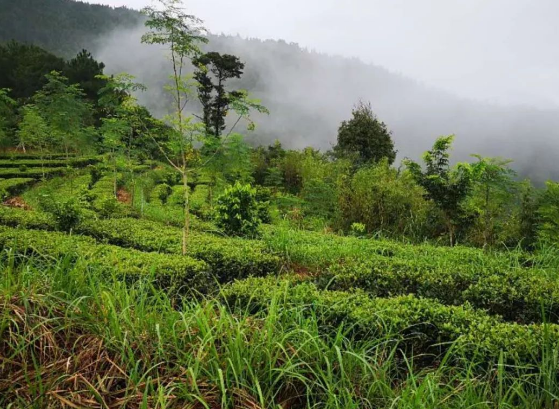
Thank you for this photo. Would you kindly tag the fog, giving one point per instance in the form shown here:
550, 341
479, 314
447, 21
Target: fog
484, 70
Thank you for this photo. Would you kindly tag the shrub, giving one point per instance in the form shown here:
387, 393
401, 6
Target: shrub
227, 257
238, 211
11, 187
96, 174
169, 271
424, 326
67, 214
162, 192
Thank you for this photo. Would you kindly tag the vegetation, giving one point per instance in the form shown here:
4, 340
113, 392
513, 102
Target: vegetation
166, 263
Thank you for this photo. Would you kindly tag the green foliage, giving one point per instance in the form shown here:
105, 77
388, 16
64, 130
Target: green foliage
162, 192
14, 186
168, 271
238, 211
548, 212
36, 173
492, 201
365, 137
446, 187
384, 200
64, 109
213, 70
424, 326
33, 130
67, 214
516, 294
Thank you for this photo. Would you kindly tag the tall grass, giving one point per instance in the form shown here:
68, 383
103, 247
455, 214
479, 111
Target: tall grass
72, 338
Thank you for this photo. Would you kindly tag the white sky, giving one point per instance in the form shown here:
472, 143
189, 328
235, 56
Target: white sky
504, 51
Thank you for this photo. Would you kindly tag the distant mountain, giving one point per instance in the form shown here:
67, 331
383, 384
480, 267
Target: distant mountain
308, 93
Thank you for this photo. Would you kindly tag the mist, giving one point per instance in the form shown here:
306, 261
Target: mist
310, 93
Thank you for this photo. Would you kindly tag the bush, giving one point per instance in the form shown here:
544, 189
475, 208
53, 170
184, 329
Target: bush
168, 271
67, 214
228, 257
238, 211
425, 327
36, 173
11, 187
162, 192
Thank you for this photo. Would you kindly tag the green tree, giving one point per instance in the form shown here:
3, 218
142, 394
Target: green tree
7, 118
65, 110
384, 200
114, 132
238, 211
182, 33
170, 26
33, 132
447, 187
87, 73
548, 212
212, 72
364, 137
492, 196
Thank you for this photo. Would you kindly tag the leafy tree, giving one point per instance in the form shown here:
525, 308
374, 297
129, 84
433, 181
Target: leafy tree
238, 211
124, 121
384, 200
548, 212
447, 187
212, 72
170, 26
365, 137
23, 68
65, 110
114, 131
493, 195
7, 118
34, 132
87, 73
182, 33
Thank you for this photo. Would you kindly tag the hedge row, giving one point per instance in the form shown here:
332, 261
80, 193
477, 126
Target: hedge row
422, 326
23, 156
28, 219
12, 187
227, 257
516, 294
320, 250
168, 270
48, 163
35, 173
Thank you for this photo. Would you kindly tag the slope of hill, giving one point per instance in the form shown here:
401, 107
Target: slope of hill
307, 93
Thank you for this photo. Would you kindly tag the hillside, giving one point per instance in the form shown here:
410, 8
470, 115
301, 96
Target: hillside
307, 93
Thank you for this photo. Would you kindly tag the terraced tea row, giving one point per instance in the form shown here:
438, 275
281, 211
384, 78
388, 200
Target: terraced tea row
425, 327
518, 294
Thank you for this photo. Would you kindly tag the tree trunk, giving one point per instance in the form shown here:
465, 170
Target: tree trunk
186, 227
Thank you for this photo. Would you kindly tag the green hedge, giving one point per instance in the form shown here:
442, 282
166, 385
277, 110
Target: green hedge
48, 163
35, 173
23, 156
228, 257
516, 294
12, 187
28, 219
168, 270
421, 325
320, 250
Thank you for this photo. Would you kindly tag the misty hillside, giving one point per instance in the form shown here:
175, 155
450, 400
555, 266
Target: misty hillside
308, 93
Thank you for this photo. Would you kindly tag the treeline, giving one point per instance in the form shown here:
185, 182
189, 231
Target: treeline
355, 189
49, 105
61, 26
